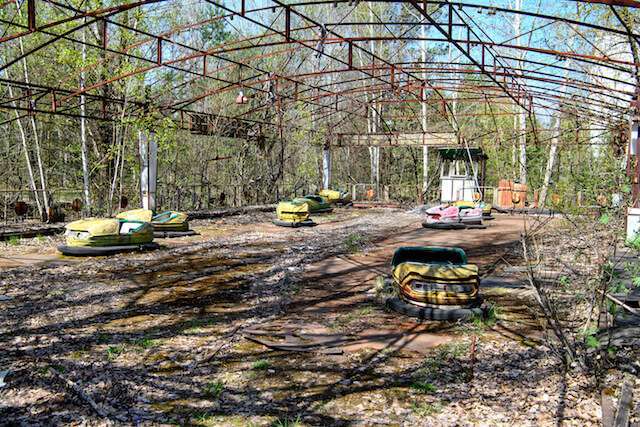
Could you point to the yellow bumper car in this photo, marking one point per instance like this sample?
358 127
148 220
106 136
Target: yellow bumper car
96 237
435 283
336 197
293 214
165 224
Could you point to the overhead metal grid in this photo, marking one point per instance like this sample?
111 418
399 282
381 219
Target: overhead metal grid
336 69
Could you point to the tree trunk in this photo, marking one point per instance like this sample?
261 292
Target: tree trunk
25 148
553 149
34 128
83 132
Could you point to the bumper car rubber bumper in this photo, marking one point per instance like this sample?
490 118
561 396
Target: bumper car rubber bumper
105 250
453 226
292 224
170 234
441 312
444 225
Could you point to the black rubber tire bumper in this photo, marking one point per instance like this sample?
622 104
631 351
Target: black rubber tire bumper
172 234
305 223
433 313
322 211
453 226
444 225
105 250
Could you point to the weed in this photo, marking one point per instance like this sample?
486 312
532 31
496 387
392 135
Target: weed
214 390
40 238
423 387
202 418
365 311
78 354
487 319
442 356
354 242
426 409
287 422
590 339
145 343
564 282
13 241
634 243
261 365
113 351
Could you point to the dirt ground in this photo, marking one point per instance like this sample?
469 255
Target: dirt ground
161 337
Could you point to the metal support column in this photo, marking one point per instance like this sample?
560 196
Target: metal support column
326 167
148 169
633 169
425 172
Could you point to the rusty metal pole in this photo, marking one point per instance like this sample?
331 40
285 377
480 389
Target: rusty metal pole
31 15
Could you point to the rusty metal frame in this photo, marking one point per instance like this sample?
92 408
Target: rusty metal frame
404 79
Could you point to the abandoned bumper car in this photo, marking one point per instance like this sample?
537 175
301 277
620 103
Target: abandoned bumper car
293 214
95 237
451 217
336 197
435 283
317 204
165 224
486 207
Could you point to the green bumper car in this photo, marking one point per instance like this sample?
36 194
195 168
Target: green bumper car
435 283
165 224
96 237
317 204
293 214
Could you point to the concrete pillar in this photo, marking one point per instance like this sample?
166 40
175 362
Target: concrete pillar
326 167
148 169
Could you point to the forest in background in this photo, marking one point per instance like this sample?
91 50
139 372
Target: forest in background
44 152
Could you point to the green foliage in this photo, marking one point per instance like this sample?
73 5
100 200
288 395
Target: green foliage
145 343
424 387
287 422
589 336
485 320
591 342
442 356
214 390
634 243
261 365
13 241
114 351
354 242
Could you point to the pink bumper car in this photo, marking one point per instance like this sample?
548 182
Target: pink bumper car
449 217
